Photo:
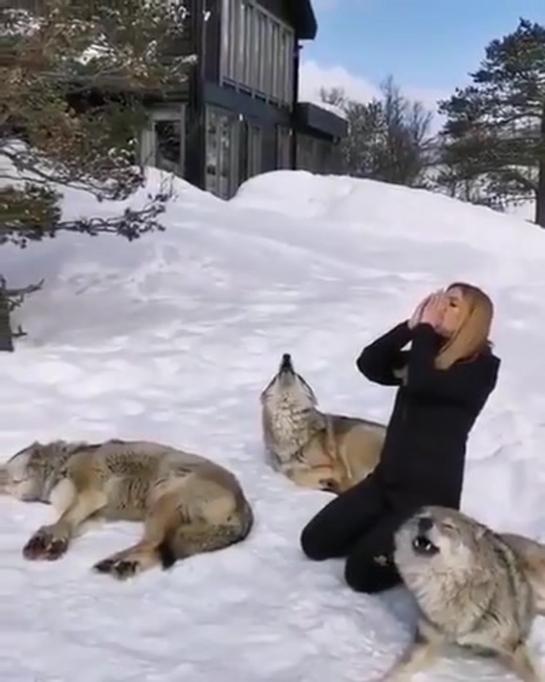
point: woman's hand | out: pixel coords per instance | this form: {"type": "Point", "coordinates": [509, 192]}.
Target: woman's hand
{"type": "Point", "coordinates": [434, 310]}
{"type": "Point", "coordinates": [430, 311]}
{"type": "Point", "coordinates": [415, 317]}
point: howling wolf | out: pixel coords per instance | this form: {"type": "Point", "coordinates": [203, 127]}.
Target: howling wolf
{"type": "Point", "coordinates": [312, 448]}
{"type": "Point", "coordinates": [188, 504]}
{"type": "Point", "coordinates": [474, 587]}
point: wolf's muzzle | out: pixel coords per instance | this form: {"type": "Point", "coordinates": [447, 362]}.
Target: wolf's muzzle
{"type": "Point", "coordinates": [421, 543]}
{"type": "Point", "coordinates": [285, 365]}
{"type": "Point", "coordinates": [424, 546]}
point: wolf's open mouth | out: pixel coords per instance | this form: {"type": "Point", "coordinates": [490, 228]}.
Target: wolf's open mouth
{"type": "Point", "coordinates": [423, 545]}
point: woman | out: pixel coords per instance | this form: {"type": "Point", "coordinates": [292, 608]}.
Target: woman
{"type": "Point", "coordinates": [444, 382]}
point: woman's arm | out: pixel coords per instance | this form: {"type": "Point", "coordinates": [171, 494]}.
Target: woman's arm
{"type": "Point", "coordinates": [461, 383]}
{"type": "Point", "coordinates": [378, 360]}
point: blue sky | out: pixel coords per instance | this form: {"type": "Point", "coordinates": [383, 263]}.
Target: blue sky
{"type": "Point", "coordinates": [429, 46]}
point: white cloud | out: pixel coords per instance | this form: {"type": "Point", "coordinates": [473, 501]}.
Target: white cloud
{"type": "Point", "coordinates": [314, 76]}
{"type": "Point", "coordinates": [428, 96]}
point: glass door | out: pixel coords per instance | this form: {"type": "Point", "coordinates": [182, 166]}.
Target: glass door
{"type": "Point", "coordinates": [222, 152]}
{"type": "Point", "coordinates": [163, 141]}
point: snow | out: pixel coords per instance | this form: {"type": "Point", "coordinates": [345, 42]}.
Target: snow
{"type": "Point", "coordinates": [172, 338]}
{"type": "Point", "coordinates": [17, 22]}
{"type": "Point", "coordinates": [332, 108]}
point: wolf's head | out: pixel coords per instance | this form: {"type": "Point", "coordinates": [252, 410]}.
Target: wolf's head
{"type": "Point", "coordinates": [288, 412]}
{"type": "Point", "coordinates": [29, 474]}
{"type": "Point", "coordinates": [437, 541]}
{"type": "Point", "coordinates": [288, 387]}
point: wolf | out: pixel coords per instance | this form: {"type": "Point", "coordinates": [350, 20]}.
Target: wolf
{"type": "Point", "coordinates": [188, 503]}
{"type": "Point", "coordinates": [312, 448]}
{"type": "Point", "coordinates": [474, 588]}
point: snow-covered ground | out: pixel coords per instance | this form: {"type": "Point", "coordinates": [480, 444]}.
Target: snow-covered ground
{"type": "Point", "coordinates": [172, 338]}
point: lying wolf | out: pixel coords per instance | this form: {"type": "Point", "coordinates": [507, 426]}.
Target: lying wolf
{"type": "Point", "coordinates": [312, 448]}
{"type": "Point", "coordinates": [188, 504]}
{"type": "Point", "coordinates": [474, 588]}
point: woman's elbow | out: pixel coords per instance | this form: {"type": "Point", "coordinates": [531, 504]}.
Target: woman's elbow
{"type": "Point", "coordinates": [368, 365]}
{"type": "Point", "coordinates": [363, 363]}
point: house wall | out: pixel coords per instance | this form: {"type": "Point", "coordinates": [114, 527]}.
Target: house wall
{"type": "Point", "coordinates": [317, 153]}
{"type": "Point", "coordinates": [212, 37]}
{"type": "Point", "coordinates": [249, 118]}
{"type": "Point", "coordinates": [279, 8]}
{"type": "Point", "coordinates": [236, 116]}
{"type": "Point", "coordinates": [213, 31]}
{"type": "Point", "coordinates": [233, 132]}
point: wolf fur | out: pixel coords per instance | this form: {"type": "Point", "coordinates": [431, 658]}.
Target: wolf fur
{"type": "Point", "coordinates": [474, 588]}
{"type": "Point", "coordinates": [188, 504]}
{"type": "Point", "coordinates": [312, 448]}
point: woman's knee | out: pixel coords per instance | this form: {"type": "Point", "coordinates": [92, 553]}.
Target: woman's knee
{"type": "Point", "coordinates": [372, 574]}
{"type": "Point", "coordinates": [313, 542]}
{"type": "Point", "coordinates": [335, 528]}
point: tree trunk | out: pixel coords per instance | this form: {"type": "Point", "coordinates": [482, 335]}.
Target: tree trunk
{"type": "Point", "coordinates": [540, 194]}
{"type": "Point", "coordinates": [6, 338]}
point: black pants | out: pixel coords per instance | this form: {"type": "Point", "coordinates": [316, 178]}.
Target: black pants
{"type": "Point", "coordinates": [359, 524]}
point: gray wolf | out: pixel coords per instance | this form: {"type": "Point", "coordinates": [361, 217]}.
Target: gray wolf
{"type": "Point", "coordinates": [474, 588]}
{"type": "Point", "coordinates": [312, 448]}
{"type": "Point", "coordinates": [188, 503]}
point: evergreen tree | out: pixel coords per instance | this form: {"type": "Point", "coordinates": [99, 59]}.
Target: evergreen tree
{"type": "Point", "coordinates": [494, 137]}
{"type": "Point", "coordinates": [74, 75]}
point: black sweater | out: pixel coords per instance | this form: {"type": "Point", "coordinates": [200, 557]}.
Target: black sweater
{"type": "Point", "coordinates": [423, 457]}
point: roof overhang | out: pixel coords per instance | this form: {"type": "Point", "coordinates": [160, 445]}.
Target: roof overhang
{"type": "Point", "coordinates": [321, 120]}
{"type": "Point", "coordinates": [305, 19]}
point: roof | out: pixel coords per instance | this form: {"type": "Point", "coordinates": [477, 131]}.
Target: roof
{"type": "Point", "coordinates": [310, 115]}
{"type": "Point", "coordinates": [305, 19]}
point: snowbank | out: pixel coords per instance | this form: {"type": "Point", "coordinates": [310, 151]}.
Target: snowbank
{"type": "Point", "coordinates": [172, 338]}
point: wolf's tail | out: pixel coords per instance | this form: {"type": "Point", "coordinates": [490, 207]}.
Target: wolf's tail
{"type": "Point", "coordinates": [201, 536]}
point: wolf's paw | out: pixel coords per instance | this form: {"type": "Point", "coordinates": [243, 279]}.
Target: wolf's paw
{"type": "Point", "coordinates": [121, 569]}
{"type": "Point", "coordinates": [45, 544]}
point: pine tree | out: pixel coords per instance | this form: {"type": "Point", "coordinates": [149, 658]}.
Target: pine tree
{"type": "Point", "coordinates": [494, 137]}
{"type": "Point", "coordinates": [74, 75]}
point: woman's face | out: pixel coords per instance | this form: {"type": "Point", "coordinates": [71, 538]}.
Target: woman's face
{"type": "Point", "coordinates": [454, 312]}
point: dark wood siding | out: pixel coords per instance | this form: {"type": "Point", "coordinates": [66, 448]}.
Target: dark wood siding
{"type": "Point", "coordinates": [212, 45]}
{"type": "Point", "coordinates": [269, 148]}
{"type": "Point", "coordinates": [241, 103]}
{"type": "Point", "coordinates": [280, 9]}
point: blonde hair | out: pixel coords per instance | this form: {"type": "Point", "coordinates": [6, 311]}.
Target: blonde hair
{"type": "Point", "coordinates": [471, 337]}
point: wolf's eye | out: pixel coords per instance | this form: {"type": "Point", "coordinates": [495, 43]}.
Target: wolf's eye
{"type": "Point", "coordinates": [448, 527]}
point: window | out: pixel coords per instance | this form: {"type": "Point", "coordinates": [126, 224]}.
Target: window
{"type": "Point", "coordinates": [255, 150]}
{"type": "Point", "coordinates": [315, 155]}
{"type": "Point", "coordinates": [221, 152]}
{"type": "Point", "coordinates": [305, 153]}
{"type": "Point", "coordinates": [257, 51]}
{"type": "Point", "coordinates": [162, 141]}
{"type": "Point", "coordinates": [283, 147]}
{"type": "Point", "coordinates": [251, 150]}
